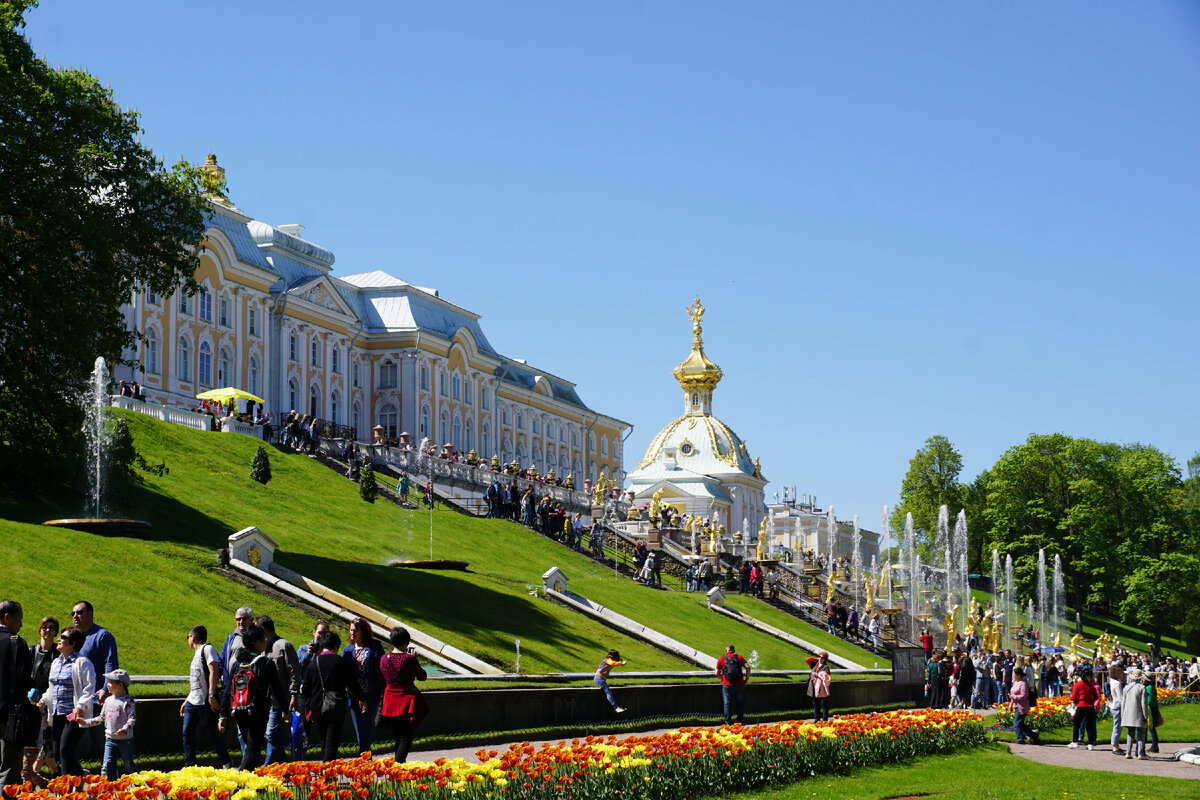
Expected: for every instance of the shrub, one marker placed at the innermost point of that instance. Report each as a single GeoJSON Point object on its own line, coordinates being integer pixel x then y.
{"type": "Point", "coordinates": [367, 488]}
{"type": "Point", "coordinates": [260, 467]}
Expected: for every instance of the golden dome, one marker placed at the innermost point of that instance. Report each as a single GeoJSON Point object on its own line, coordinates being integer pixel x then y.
{"type": "Point", "coordinates": [696, 373]}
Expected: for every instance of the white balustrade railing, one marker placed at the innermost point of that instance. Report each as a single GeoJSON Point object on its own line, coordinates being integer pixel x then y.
{"type": "Point", "coordinates": [179, 416]}
{"type": "Point", "coordinates": [231, 425]}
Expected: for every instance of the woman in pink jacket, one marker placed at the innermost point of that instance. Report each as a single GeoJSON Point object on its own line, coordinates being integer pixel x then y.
{"type": "Point", "coordinates": [818, 686]}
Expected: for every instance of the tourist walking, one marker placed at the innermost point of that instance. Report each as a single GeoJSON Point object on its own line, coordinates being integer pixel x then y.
{"type": "Point", "coordinates": [118, 715]}
{"type": "Point", "coordinates": [72, 695]}
{"type": "Point", "coordinates": [1084, 696]}
{"type": "Point", "coordinates": [613, 659]}
{"type": "Point", "coordinates": [40, 752]}
{"type": "Point", "coordinates": [100, 647]}
{"type": "Point", "coordinates": [287, 666]}
{"type": "Point", "coordinates": [253, 684]}
{"type": "Point", "coordinates": [403, 706]}
{"type": "Point", "coordinates": [734, 673]}
{"type": "Point", "coordinates": [1115, 693]}
{"type": "Point", "coordinates": [1155, 718]}
{"type": "Point", "coordinates": [201, 707]}
{"type": "Point", "coordinates": [818, 686]}
{"type": "Point", "coordinates": [16, 679]}
{"type": "Point", "coordinates": [1018, 701]}
{"type": "Point", "coordinates": [364, 653]}
{"type": "Point", "coordinates": [328, 685]}
{"type": "Point", "coordinates": [1135, 711]}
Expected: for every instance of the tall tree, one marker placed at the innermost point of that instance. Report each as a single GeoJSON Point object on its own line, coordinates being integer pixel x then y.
{"type": "Point", "coordinates": [931, 482]}
{"type": "Point", "coordinates": [87, 215]}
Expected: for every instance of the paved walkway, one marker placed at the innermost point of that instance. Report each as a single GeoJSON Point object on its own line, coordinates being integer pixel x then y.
{"type": "Point", "coordinates": [1102, 758]}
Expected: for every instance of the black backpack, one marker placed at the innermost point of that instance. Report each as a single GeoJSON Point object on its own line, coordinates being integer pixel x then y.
{"type": "Point", "coordinates": [732, 668]}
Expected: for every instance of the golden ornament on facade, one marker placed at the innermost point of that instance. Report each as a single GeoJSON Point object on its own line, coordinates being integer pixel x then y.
{"type": "Point", "coordinates": [255, 556]}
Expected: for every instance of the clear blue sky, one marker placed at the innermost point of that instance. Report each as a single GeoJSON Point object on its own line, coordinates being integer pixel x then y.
{"type": "Point", "coordinates": [979, 220]}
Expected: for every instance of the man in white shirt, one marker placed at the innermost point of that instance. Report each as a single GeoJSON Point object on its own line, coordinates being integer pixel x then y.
{"type": "Point", "coordinates": [201, 706]}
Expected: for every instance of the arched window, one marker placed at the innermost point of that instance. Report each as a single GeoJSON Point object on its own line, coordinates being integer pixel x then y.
{"type": "Point", "coordinates": [223, 368]}
{"type": "Point", "coordinates": [485, 443]}
{"type": "Point", "coordinates": [253, 375]}
{"type": "Point", "coordinates": [469, 435]}
{"type": "Point", "coordinates": [358, 431]}
{"type": "Point", "coordinates": [456, 437]}
{"type": "Point", "coordinates": [184, 302]}
{"type": "Point", "coordinates": [314, 401]}
{"type": "Point", "coordinates": [444, 428]}
{"type": "Point", "coordinates": [316, 351]}
{"type": "Point", "coordinates": [576, 465]}
{"type": "Point", "coordinates": [151, 351]}
{"type": "Point", "coordinates": [563, 465]}
{"type": "Point", "coordinates": [425, 422]}
{"type": "Point", "coordinates": [695, 400]}
{"type": "Point", "coordinates": [334, 402]}
{"type": "Point", "coordinates": [205, 304]}
{"type": "Point", "coordinates": [592, 441]}
{"type": "Point", "coordinates": [550, 456]}
{"type": "Point", "coordinates": [424, 378]}
{"type": "Point", "coordinates": [444, 383]}
{"type": "Point", "coordinates": [389, 420]}
{"type": "Point", "coordinates": [205, 371]}
{"type": "Point", "coordinates": [520, 421]}
{"type": "Point", "coordinates": [592, 471]}
{"type": "Point", "coordinates": [293, 395]}
{"type": "Point", "coordinates": [456, 387]}
{"type": "Point", "coordinates": [506, 451]}
{"type": "Point", "coordinates": [521, 453]}
{"type": "Point", "coordinates": [604, 447]}
{"type": "Point", "coordinates": [387, 375]}
{"type": "Point", "coordinates": [483, 397]}
{"type": "Point", "coordinates": [183, 359]}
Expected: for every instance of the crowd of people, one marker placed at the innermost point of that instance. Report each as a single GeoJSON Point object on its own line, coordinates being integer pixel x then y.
{"type": "Point", "coordinates": [65, 689]}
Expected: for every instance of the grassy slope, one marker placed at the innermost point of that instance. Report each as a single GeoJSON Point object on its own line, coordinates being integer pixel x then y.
{"type": "Point", "coordinates": [987, 773]}
{"type": "Point", "coordinates": [483, 611]}
{"type": "Point", "coordinates": [1094, 624]}
{"type": "Point", "coordinates": [147, 593]}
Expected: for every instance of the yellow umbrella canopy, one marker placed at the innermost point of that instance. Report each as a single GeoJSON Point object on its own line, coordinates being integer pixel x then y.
{"type": "Point", "coordinates": [228, 393]}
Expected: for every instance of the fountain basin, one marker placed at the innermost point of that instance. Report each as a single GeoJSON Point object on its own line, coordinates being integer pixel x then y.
{"type": "Point", "coordinates": [438, 563]}
{"type": "Point", "coordinates": [105, 527]}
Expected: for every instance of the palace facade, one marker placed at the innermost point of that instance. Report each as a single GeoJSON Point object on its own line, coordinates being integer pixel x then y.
{"type": "Point", "coordinates": [361, 351]}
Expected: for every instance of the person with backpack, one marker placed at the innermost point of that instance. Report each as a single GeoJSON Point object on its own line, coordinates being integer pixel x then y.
{"type": "Point", "coordinates": [202, 704]}
{"type": "Point", "coordinates": [330, 683]}
{"type": "Point", "coordinates": [734, 673]}
{"type": "Point", "coordinates": [252, 686]}
{"type": "Point", "coordinates": [934, 678]}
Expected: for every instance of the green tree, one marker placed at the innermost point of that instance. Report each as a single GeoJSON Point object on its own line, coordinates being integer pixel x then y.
{"type": "Point", "coordinates": [87, 216]}
{"type": "Point", "coordinates": [260, 466]}
{"type": "Point", "coordinates": [931, 482]}
{"type": "Point", "coordinates": [368, 489]}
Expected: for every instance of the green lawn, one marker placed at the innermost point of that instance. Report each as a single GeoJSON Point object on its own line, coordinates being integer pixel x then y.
{"type": "Point", "coordinates": [327, 533]}
{"type": "Point", "coordinates": [987, 773]}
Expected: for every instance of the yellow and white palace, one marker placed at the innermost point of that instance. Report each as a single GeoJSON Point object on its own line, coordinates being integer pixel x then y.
{"type": "Point", "coordinates": [360, 350]}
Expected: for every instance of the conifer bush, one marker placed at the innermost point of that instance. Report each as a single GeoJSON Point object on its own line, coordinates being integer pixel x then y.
{"type": "Point", "coordinates": [367, 488]}
{"type": "Point", "coordinates": [260, 467]}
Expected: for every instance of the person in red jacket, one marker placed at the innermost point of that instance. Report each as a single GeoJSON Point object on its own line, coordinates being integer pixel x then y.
{"type": "Point", "coordinates": [734, 673]}
{"type": "Point", "coordinates": [926, 640]}
{"type": "Point", "coordinates": [1084, 695]}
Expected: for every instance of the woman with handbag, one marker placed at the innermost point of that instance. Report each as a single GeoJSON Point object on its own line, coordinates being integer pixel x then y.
{"type": "Point", "coordinates": [71, 693]}
{"type": "Point", "coordinates": [364, 653]}
{"type": "Point", "coordinates": [818, 686]}
{"type": "Point", "coordinates": [329, 685]}
{"type": "Point", "coordinates": [403, 706]}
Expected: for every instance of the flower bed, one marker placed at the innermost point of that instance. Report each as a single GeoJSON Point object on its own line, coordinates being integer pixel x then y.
{"type": "Point", "coordinates": [670, 766]}
{"type": "Point", "coordinates": [1051, 712]}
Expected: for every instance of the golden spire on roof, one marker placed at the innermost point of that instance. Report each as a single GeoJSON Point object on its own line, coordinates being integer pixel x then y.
{"type": "Point", "coordinates": [696, 374]}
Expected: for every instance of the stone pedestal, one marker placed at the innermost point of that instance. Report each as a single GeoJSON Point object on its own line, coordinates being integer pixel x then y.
{"type": "Point", "coordinates": [554, 578]}
{"type": "Point", "coordinates": [253, 547]}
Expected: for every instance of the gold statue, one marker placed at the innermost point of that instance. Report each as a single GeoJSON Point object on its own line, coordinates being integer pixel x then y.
{"type": "Point", "coordinates": [696, 312]}
{"type": "Point", "coordinates": [762, 540]}
{"type": "Point", "coordinates": [870, 597]}
{"type": "Point", "coordinates": [599, 491]}
{"type": "Point", "coordinates": [972, 610]}
{"type": "Point", "coordinates": [1075, 640]}
{"type": "Point", "coordinates": [712, 544]}
{"type": "Point", "coordinates": [1058, 638]}
{"type": "Point", "coordinates": [829, 594]}
{"type": "Point", "coordinates": [951, 626]}
{"type": "Point", "coordinates": [986, 632]}
{"type": "Point", "coordinates": [757, 468]}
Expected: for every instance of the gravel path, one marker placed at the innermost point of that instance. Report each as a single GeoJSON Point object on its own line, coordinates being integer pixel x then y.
{"type": "Point", "coordinates": [1102, 758]}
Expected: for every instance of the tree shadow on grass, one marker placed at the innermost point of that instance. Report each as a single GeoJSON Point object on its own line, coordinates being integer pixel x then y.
{"type": "Point", "coordinates": [484, 621]}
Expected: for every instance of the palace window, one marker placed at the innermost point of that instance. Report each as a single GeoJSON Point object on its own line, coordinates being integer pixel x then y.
{"type": "Point", "coordinates": [456, 438]}
{"type": "Point", "coordinates": [223, 312]}
{"type": "Point", "coordinates": [520, 421]}
{"type": "Point", "coordinates": [333, 408]}
{"type": "Point", "coordinates": [205, 371]}
{"type": "Point", "coordinates": [314, 402]}
{"type": "Point", "coordinates": [425, 378]}
{"type": "Point", "coordinates": [389, 420]}
{"type": "Point", "coordinates": [456, 387]}
{"type": "Point", "coordinates": [184, 303]}
{"type": "Point", "coordinates": [425, 423]}
{"type": "Point", "coordinates": [183, 360]}
{"type": "Point", "coordinates": [484, 402]}
{"type": "Point", "coordinates": [253, 373]}
{"type": "Point", "coordinates": [485, 443]}
{"type": "Point", "coordinates": [205, 305]}
{"type": "Point", "coordinates": [387, 375]}
{"type": "Point", "coordinates": [574, 438]}
{"type": "Point", "coordinates": [504, 416]}
{"type": "Point", "coordinates": [443, 383]}
{"type": "Point", "coordinates": [292, 345]}
{"type": "Point", "coordinates": [358, 432]}
{"type": "Point", "coordinates": [469, 392]}
{"type": "Point", "coordinates": [334, 361]}
{"type": "Point", "coordinates": [469, 436]}
{"type": "Point", "coordinates": [293, 395]}
{"type": "Point", "coordinates": [151, 351]}
{"type": "Point", "coordinates": [537, 425]}
{"type": "Point", "coordinates": [354, 372]}
{"type": "Point", "coordinates": [151, 297]}
{"type": "Point", "coordinates": [223, 368]}
{"type": "Point", "coordinates": [444, 430]}
{"type": "Point", "coordinates": [604, 447]}
{"type": "Point", "coordinates": [316, 351]}
{"type": "Point", "coordinates": [252, 322]}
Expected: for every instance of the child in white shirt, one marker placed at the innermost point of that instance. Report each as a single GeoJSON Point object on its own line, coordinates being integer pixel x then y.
{"type": "Point", "coordinates": [118, 715]}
